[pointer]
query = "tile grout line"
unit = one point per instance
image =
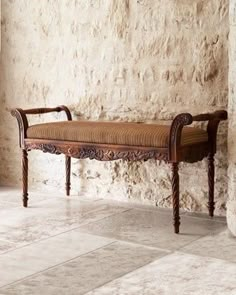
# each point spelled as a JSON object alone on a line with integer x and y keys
{"x": 201, "y": 237}
{"x": 151, "y": 247}
{"x": 17, "y": 205}
{"x": 37, "y": 241}
{"x": 178, "y": 250}
{"x": 130, "y": 272}
{"x": 56, "y": 265}
{"x": 76, "y": 257}
{"x": 158, "y": 259}
{"x": 144, "y": 246}
{"x": 152, "y": 207}
{"x": 131, "y": 243}
{"x": 9, "y": 242}
{"x": 78, "y": 227}
{"x": 124, "y": 274}
{"x": 167, "y": 211}
{"x": 204, "y": 256}
{"x": 189, "y": 243}
{"x": 204, "y": 218}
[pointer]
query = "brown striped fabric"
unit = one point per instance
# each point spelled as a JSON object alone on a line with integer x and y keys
{"x": 133, "y": 134}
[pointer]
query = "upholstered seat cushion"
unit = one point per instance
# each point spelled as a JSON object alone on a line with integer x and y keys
{"x": 133, "y": 134}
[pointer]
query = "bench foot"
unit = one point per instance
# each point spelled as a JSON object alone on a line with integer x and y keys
{"x": 175, "y": 196}
{"x": 68, "y": 172}
{"x": 25, "y": 177}
{"x": 211, "y": 184}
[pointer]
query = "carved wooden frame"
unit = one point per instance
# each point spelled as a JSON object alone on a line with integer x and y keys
{"x": 173, "y": 154}
{"x": 100, "y": 152}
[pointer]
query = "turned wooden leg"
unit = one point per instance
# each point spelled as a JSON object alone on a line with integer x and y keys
{"x": 175, "y": 195}
{"x": 68, "y": 169}
{"x": 25, "y": 177}
{"x": 211, "y": 184}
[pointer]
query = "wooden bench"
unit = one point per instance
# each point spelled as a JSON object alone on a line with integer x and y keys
{"x": 108, "y": 141}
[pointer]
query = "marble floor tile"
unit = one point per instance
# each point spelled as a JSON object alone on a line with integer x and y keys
{"x": 134, "y": 205}
{"x": 37, "y": 257}
{"x": 14, "y": 196}
{"x": 152, "y": 228}
{"x": 48, "y": 218}
{"x": 222, "y": 246}
{"x": 65, "y": 208}
{"x": 6, "y": 246}
{"x": 205, "y": 216}
{"x": 86, "y": 272}
{"x": 77, "y": 245}
{"x": 176, "y": 274}
{"x": 7, "y": 205}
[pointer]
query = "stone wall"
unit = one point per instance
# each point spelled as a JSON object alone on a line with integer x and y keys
{"x": 231, "y": 204}
{"x": 120, "y": 60}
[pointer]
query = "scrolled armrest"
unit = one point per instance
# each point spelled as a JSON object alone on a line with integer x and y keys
{"x": 22, "y": 124}
{"x": 217, "y": 115}
{"x": 177, "y": 125}
{"x": 21, "y": 116}
{"x": 186, "y": 119}
{"x": 212, "y": 126}
{"x": 58, "y": 109}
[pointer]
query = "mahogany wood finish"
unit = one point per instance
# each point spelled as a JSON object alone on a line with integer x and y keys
{"x": 68, "y": 172}
{"x": 211, "y": 184}
{"x": 175, "y": 195}
{"x": 25, "y": 177}
{"x": 172, "y": 154}
{"x": 175, "y": 135}
{"x": 23, "y": 121}
{"x": 100, "y": 152}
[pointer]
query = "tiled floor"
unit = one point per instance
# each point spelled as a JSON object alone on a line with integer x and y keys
{"x": 73, "y": 246}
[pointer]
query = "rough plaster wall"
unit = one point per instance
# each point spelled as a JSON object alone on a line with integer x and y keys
{"x": 122, "y": 60}
{"x": 231, "y": 204}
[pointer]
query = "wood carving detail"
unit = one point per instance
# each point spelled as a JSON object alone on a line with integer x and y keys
{"x": 174, "y": 153}
{"x": 25, "y": 177}
{"x": 211, "y": 184}
{"x": 68, "y": 172}
{"x": 97, "y": 153}
{"x": 175, "y": 134}
{"x": 175, "y": 196}
{"x": 178, "y": 123}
